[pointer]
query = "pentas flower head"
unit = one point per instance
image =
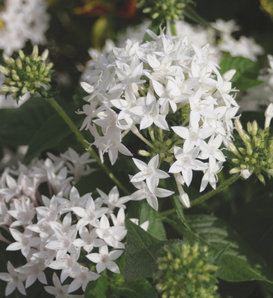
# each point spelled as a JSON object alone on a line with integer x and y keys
{"x": 167, "y": 83}
{"x": 59, "y": 230}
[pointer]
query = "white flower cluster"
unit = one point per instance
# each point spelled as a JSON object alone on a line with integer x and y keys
{"x": 53, "y": 233}
{"x": 244, "y": 46}
{"x": 22, "y": 20}
{"x": 221, "y": 41}
{"x": 145, "y": 85}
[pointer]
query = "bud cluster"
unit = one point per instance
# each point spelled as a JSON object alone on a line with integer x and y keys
{"x": 26, "y": 74}
{"x": 254, "y": 152}
{"x": 186, "y": 270}
{"x": 166, "y": 9}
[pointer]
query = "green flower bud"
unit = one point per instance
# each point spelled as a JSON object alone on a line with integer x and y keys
{"x": 26, "y": 74}
{"x": 186, "y": 270}
{"x": 164, "y": 9}
{"x": 252, "y": 152}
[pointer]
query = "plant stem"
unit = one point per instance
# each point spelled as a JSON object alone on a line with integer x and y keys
{"x": 161, "y": 135}
{"x": 136, "y": 132}
{"x": 84, "y": 143}
{"x": 167, "y": 212}
{"x": 213, "y": 192}
{"x": 206, "y": 196}
{"x": 173, "y": 29}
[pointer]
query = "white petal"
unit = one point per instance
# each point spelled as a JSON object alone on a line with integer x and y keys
{"x": 100, "y": 267}
{"x": 162, "y": 193}
{"x": 115, "y": 254}
{"x": 112, "y": 267}
{"x": 14, "y": 246}
{"x": 75, "y": 285}
{"x": 182, "y": 132}
{"x": 140, "y": 164}
{"x": 187, "y": 175}
{"x": 95, "y": 257}
{"x": 87, "y": 87}
{"x": 79, "y": 211}
{"x": 152, "y": 201}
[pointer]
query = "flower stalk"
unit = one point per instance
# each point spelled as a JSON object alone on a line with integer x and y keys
{"x": 213, "y": 192}
{"x": 84, "y": 143}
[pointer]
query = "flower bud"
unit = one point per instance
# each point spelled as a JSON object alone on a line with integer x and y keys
{"x": 27, "y": 74}
{"x": 268, "y": 115}
{"x": 186, "y": 270}
{"x": 246, "y": 173}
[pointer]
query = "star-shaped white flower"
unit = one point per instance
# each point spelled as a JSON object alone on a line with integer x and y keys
{"x": 104, "y": 259}
{"x": 149, "y": 172}
{"x": 14, "y": 280}
{"x": 186, "y": 162}
{"x": 143, "y": 192}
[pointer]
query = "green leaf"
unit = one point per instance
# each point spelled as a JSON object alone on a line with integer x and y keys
{"x": 140, "y": 253}
{"x": 234, "y": 268}
{"x": 17, "y": 126}
{"x": 247, "y": 71}
{"x": 235, "y": 259}
{"x": 97, "y": 288}
{"x": 134, "y": 289}
{"x": 194, "y": 16}
{"x": 179, "y": 211}
{"x": 51, "y": 133}
{"x": 156, "y": 228}
{"x": 47, "y": 136}
{"x": 244, "y": 83}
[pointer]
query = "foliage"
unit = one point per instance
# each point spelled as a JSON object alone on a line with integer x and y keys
{"x": 219, "y": 247}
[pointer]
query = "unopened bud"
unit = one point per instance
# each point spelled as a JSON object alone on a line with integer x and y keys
{"x": 246, "y": 173}
{"x": 185, "y": 200}
{"x": 268, "y": 115}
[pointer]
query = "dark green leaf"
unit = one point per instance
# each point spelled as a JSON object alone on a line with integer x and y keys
{"x": 47, "y": 136}
{"x": 244, "y": 83}
{"x": 179, "y": 211}
{"x": 194, "y": 16}
{"x": 156, "y": 228}
{"x": 235, "y": 259}
{"x": 247, "y": 71}
{"x": 17, "y": 126}
{"x": 234, "y": 268}
{"x": 51, "y": 132}
{"x": 97, "y": 288}
{"x": 141, "y": 252}
{"x": 135, "y": 289}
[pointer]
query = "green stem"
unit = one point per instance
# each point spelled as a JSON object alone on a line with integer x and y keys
{"x": 136, "y": 132}
{"x": 213, "y": 192}
{"x": 151, "y": 133}
{"x": 167, "y": 212}
{"x": 206, "y": 196}
{"x": 161, "y": 135}
{"x": 84, "y": 143}
{"x": 173, "y": 29}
